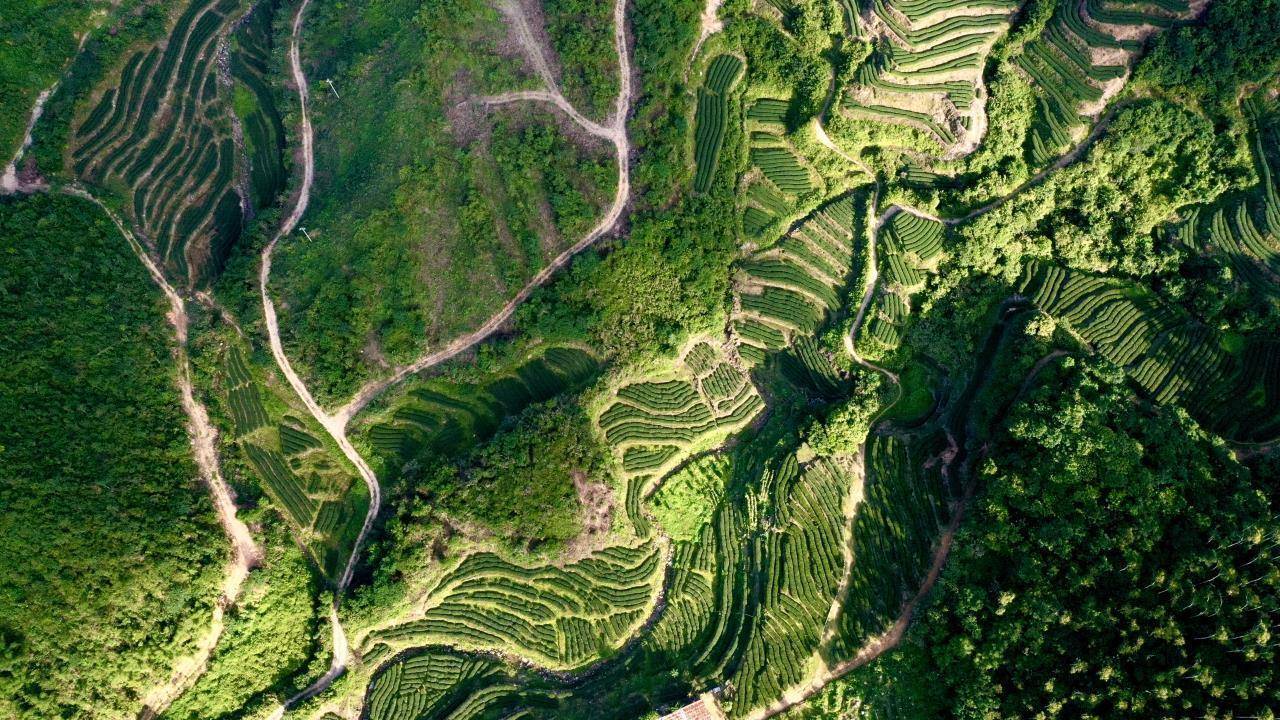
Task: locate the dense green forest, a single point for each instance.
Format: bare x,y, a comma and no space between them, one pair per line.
40,37
111,554
1115,565
884,359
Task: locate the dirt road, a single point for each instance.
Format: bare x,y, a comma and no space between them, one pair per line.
9,182
336,423
204,443
615,132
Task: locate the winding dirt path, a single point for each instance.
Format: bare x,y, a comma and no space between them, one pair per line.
9,181
869,292
335,427
204,443
556,99
709,24
615,132
335,424
888,640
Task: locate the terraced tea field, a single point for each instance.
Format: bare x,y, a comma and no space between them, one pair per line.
713,117
318,496
926,74
559,618
905,505
161,137
911,250
1083,57
1166,353
653,425
450,417
727,454
790,289
1246,226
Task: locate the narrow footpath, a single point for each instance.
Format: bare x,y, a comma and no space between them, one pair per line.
335,424
204,443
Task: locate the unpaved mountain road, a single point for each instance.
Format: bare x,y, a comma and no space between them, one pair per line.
615,132
336,423
204,444
335,428
9,181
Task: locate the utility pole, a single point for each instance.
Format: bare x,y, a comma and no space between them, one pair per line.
304,232
334,89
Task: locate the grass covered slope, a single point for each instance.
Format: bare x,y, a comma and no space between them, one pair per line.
430,210
37,37
110,548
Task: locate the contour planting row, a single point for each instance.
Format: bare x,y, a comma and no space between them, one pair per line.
748,594
1246,226
713,117
450,417
652,426
162,138
432,684
790,289
910,249
803,563
926,73
264,135
556,617
915,10
782,166
1169,355
1061,64
904,506
705,609
310,490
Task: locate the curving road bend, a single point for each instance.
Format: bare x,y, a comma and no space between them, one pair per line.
335,424
615,132
335,428
204,443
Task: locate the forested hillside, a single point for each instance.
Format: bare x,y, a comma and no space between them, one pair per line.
110,548
524,359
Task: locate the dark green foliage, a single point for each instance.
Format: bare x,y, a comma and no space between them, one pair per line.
1239,43
1162,610
267,638
581,33
110,551
38,38
1099,213
521,483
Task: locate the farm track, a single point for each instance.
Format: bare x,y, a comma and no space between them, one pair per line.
9,182
708,24
869,293
204,439
335,424
335,428
890,639
615,132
